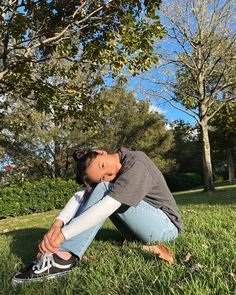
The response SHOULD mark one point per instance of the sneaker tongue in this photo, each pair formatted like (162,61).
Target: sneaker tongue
(42,261)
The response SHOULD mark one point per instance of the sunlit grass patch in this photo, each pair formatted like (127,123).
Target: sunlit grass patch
(122,267)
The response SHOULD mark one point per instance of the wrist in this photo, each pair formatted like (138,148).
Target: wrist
(58,223)
(62,236)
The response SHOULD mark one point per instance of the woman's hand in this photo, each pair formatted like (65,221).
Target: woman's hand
(52,239)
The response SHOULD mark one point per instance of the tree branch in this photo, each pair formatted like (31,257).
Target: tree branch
(3,74)
(156,94)
(59,35)
(221,106)
(222,55)
(183,47)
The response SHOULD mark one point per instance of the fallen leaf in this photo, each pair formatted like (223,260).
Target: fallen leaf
(109,248)
(89,257)
(187,257)
(233,276)
(179,286)
(189,210)
(160,250)
(130,252)
(197,267)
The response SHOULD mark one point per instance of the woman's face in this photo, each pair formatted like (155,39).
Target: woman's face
(104,167)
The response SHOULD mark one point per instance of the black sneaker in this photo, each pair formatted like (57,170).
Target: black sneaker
(49,266)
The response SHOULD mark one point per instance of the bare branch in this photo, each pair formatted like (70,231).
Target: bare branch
(184,49)
(3,74)
(221,106)
(222,55)
(157,94)
(173,86)
(215,88)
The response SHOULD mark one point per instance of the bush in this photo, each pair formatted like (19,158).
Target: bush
(183,181)
(36,196)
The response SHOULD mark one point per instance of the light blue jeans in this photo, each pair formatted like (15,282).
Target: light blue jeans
(145,223)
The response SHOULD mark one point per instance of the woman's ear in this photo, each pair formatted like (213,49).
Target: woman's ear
(101,152)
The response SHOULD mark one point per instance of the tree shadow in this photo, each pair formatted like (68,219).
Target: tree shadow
(109,235)
(25,242)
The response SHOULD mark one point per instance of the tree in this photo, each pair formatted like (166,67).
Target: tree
(130,123)
(198,64)
(95,37)
(33,139)
(223,135)
(39,141)
(186,150)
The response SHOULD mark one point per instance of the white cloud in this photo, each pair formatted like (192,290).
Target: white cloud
(156,109)
(168,126)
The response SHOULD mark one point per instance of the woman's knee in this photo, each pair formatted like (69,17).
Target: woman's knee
(162,236)
(101,187)
(99,191)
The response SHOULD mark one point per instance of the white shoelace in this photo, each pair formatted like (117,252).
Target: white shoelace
(43,264)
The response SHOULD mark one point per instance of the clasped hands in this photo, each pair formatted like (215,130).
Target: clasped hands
(52,239)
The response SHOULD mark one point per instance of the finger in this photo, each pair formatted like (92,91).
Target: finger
(43,247)
(55,234)
(54,244)
(39,255)
(48,246)
(50,233)
(41,250)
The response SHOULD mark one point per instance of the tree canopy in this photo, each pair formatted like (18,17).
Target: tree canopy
(37,140)
(71,39)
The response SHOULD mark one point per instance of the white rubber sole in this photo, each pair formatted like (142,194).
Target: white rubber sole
(16,282)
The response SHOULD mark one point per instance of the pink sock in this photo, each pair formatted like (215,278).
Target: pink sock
(63,255)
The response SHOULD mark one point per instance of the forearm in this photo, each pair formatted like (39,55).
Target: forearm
(92,216)
(71,208)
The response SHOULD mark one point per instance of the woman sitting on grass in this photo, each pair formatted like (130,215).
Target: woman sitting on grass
(125,186)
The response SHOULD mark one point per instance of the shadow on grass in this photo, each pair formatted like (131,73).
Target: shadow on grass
(109,235)
(25,241)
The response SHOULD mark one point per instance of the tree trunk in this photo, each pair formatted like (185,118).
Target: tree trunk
(57,159)
(206,153)
(230,163)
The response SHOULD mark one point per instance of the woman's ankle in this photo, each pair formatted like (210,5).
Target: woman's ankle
(64,255)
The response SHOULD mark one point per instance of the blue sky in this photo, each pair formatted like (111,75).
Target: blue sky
(171,114)
(139,86)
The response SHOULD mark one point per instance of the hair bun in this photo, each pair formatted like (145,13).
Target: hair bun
(78,154)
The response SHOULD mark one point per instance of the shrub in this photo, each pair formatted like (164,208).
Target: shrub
(36,196)
(183,181)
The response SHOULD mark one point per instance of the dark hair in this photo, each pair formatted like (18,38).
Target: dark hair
(83,159)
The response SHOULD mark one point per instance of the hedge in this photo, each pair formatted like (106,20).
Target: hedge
(48,194)
(183,181)
(36,196)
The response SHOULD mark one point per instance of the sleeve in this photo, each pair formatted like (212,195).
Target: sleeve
(71,207)
(92,216)
(133,185)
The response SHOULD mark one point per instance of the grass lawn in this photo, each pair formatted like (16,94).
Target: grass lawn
(119,267)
